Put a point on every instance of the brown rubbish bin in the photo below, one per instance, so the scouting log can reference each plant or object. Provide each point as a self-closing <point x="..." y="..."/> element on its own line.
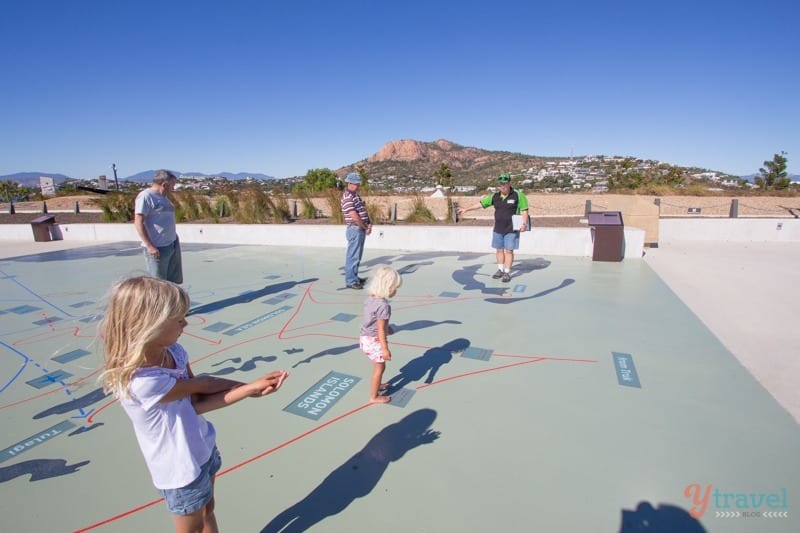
<point x="608" y="234"/>
<point x="41" y="228"/>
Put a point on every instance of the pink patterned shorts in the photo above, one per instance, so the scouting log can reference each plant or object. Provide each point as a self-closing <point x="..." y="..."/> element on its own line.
<point x="372" y="348"/>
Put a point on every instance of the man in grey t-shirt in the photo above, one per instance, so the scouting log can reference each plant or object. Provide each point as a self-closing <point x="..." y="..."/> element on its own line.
<point x="154" y="219"/>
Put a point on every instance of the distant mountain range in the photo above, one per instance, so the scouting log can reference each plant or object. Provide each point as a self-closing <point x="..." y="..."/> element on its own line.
<point x="147" y="175"/>
<point x="31" y="179"/>
<point x="403" y="158"/>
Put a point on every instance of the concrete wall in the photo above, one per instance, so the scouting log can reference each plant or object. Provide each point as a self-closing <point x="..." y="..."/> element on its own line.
<point x="576" y="242"/>
<point x="729" y="229"/>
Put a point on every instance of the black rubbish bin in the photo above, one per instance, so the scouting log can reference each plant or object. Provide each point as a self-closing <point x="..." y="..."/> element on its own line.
<point x="608" y="234"/>
<point x="41" y="228"/>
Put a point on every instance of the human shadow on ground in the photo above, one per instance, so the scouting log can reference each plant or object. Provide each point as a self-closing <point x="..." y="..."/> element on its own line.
<point x="247" y="297"/>
<point x="73" y="405"/>
<point x="428" y="363"/>
<point x="467" y="278"/>
<point x="420" y="258"/>
<point x="359" y="475"/>
<point x="421" y="324"/>
<point x="566" y="283"/>
<point x="413" y="267"/>
<point x="115" y="249"/>
<point x="663" y="519"/>
<point x="85" y="429"/>
<point x="339" y="350"/>
<point x="525" y="266"/>
<point x="247" y="366"/>
<point x="39" y="469"/>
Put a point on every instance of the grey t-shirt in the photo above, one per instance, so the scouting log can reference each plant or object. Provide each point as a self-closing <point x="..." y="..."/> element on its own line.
<point x="374" y="309"/>
<point x="159" y="217"/>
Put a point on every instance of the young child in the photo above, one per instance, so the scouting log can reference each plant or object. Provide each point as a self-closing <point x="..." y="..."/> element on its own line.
<point x="375" y="327"/>
<point x="150" y="375"/>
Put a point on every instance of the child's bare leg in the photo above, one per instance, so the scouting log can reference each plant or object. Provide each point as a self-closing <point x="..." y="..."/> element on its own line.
<point x="375" y="384"/>
<point x="209" y="518"/>
<point x="203" y="520"/>
<point x="190" y="523"/>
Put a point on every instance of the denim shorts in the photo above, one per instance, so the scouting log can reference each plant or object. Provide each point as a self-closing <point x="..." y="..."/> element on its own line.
<point x="196" y="494"/>
<point x="509" y="241"/>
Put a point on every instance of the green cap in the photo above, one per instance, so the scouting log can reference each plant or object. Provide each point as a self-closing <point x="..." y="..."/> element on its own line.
<point x="504" y="178"/>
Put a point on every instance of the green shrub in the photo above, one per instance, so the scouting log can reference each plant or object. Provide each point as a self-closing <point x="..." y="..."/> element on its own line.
<point x="116" y="207"/>
<point x="279" y="207"/>
<point x="374" y="213"/>
<point x="252" y="207"/>
<point x="308" y="209"/>
<point x="420" y="212"/>
<point x="334" y="199"/>
<point x="222" y="206"/>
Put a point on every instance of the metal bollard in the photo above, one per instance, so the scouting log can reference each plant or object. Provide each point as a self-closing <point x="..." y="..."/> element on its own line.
<point x="393" y="213"/>
<point x="455" y="212"/>
<point x="44" y="207"/>
<point x="588" y="208"/>
<point x="77" y="207"/>
<point x="734" y="208"/>
<point x="11" y="209"/>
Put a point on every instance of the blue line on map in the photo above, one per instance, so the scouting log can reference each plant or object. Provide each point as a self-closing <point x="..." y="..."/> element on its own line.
<point x="49" y="379"/>
<point x="51" y="304"/>
<point x="26" y="360"/>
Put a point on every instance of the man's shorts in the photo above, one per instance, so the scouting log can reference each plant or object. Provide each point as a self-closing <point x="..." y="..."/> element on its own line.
<point x="198" y="493"/>
<point x="509" y="241"/>
<point x="372" y="348"/>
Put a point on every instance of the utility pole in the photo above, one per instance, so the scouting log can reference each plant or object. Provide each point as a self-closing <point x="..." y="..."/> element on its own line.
<point x="114" y="168"/>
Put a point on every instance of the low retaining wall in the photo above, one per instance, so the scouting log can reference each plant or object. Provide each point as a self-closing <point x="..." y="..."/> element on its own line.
<point x="575" y="242"/>
<point x="729" y="230"/>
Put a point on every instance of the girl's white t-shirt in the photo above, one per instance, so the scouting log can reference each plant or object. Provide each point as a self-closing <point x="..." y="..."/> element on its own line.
<point x="175" y="440"/>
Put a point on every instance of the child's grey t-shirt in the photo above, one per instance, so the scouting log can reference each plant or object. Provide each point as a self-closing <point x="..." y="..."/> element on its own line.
<point x="374" y="309"/>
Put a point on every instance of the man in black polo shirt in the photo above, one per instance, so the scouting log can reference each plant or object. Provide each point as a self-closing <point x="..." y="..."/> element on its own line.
<point x="505" y="239"/>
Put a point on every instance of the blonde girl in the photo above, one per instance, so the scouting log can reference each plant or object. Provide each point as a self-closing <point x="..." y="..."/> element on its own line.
<point x="375" y="327"/>
<point x="149" y="372"/>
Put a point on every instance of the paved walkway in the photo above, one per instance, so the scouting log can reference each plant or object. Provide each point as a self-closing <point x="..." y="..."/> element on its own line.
<point x="581" y="396"/>
<point x="747" y="294"/>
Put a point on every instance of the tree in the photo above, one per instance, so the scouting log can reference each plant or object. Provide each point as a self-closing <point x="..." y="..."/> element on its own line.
<point x="443" y="176"/>
<point x="11" y="191"/>
<point x="774" y="176"/>
<point x="316" y="180"/>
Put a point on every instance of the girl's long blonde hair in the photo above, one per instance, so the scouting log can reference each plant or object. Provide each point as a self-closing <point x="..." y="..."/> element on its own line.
<point x="137" y="309"/>
<point x="384" y="282"/>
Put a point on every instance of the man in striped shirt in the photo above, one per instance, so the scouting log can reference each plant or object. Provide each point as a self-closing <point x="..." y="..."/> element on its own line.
<point x="358" y="227"/>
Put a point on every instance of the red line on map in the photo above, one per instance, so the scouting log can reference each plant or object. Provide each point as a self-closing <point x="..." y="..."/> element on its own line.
<point x="234" y="467"/>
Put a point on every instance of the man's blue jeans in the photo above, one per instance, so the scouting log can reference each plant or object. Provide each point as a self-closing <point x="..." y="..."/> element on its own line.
<point x="168" y="265"/>
<point x="355" y="249"/>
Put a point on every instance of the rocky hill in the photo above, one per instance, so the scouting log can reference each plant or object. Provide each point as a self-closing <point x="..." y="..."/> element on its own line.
<point x="416" y="159"/>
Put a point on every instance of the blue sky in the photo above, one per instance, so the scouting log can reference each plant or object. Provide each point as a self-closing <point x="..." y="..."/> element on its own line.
<point x="284" y="87"/>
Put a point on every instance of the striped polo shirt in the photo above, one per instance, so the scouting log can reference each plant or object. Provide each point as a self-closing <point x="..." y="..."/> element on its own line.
<point x="352" y="201"/>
